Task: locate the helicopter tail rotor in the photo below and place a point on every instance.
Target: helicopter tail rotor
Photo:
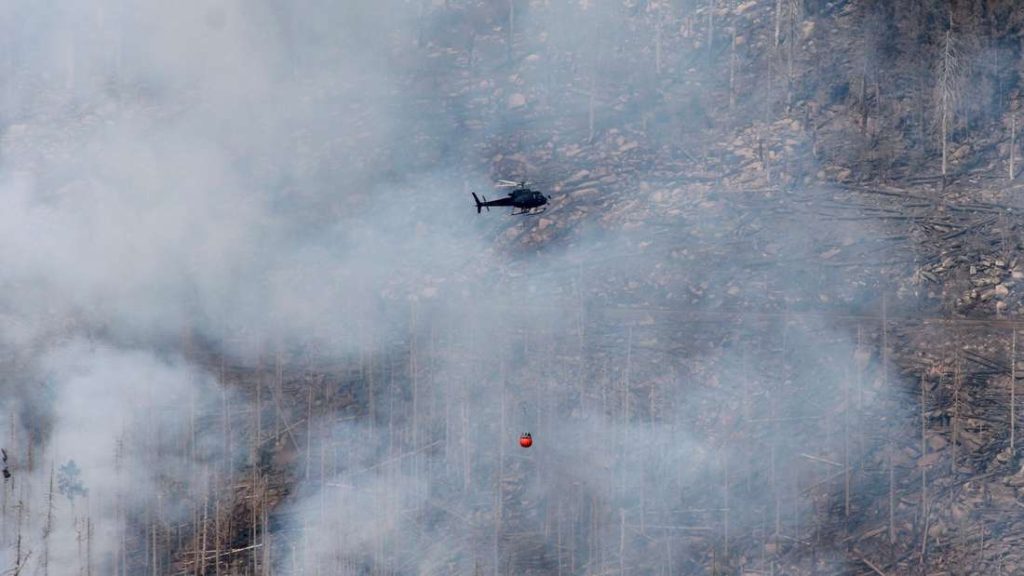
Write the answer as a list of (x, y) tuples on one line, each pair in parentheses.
[(479, 204)]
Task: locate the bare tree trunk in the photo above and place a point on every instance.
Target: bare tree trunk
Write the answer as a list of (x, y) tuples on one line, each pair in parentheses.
[(309, 428), (892, 507), (466, 461), (864, 99), (711, 29), (774, 473), (17, 548), (1013, 394), (559, 546), (778, 21), (657, 47), (925, 511), (511, 27), (580, 318), (590, 105), (949, 86), (414, 370), (622, 541), (790, 52), (227, 417), (1013, 141), (924, 471), (265, 536), (889, 432), (48, 526), (88, 544), (732, 71), (668, 556), (626, 385), (574, 522), (155, 570), (924, 419), (200, 561), (943, 129), (725, 509), (846, 448), (253, 513), (217, 526), (499, 492), (956, 413)]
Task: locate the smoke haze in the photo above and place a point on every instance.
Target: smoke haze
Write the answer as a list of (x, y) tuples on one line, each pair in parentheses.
[(193, 191)]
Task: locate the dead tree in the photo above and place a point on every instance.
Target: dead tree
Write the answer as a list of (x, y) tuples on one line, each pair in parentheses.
[(1013, 393), (1013, 139), (950, 79)]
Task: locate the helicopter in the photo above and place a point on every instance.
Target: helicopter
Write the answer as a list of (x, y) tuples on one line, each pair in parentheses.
[(528, 202)]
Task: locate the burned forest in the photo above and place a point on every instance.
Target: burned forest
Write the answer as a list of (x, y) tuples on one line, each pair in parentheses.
[(766, 322)]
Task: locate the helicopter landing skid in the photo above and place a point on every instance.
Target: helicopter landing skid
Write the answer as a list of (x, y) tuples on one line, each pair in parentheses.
[(529, 212)]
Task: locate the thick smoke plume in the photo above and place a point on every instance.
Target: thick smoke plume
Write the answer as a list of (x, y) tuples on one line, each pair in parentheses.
[(191, 190)]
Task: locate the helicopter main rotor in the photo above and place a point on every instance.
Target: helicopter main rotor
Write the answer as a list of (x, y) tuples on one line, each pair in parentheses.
[(511, 184)]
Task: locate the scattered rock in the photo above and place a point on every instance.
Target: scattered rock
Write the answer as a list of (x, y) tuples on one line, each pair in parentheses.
[(516, 100)]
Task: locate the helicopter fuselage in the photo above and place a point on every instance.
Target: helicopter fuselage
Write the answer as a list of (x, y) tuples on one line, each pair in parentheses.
[(526, 199)]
